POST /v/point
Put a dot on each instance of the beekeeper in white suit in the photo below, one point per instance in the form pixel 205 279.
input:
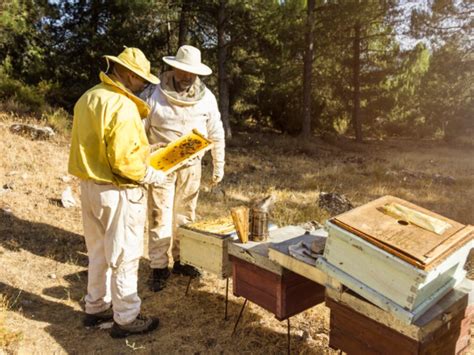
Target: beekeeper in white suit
pixel 179 104
pixel 109 152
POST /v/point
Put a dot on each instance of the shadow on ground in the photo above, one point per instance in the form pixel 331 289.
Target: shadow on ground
pixel 41 239
pixel 190 324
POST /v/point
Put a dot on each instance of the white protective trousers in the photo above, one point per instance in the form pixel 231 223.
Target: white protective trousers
pixel 171 205
pixel 114 221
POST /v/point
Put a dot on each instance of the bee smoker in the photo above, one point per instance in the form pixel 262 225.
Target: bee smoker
pixel 259 224
pixel 259 219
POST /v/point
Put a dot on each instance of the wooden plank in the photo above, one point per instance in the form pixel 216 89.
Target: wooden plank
pixel 457 301
pixel 378 228
pixel 298 297
pixel 257 252
pixel 445 339
pixel 254 257
pixel 252 274
pixel 298 267
pixel 209 238
pixel 375 297
pixel 283 295
pixel 363 306
pixel 278 252
pixel 255 284
pixel 256 295
pixel 354 333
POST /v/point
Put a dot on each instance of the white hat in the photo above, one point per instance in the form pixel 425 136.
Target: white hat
pixel 188 59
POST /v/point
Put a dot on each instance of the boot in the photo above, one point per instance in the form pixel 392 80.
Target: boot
pixel 186 270
pixel 158 279
pixel 92 320
pixel 140 325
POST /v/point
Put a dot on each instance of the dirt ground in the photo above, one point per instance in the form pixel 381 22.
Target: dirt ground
pixel 43 257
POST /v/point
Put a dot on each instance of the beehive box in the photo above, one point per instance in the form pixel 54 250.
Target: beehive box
pixel 401 267
pixel 177 153
pixel 359 327
pixel 284 294
pixel 205 250
pixel 266 283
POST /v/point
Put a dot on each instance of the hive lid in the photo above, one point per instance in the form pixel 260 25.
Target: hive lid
pixel 414 234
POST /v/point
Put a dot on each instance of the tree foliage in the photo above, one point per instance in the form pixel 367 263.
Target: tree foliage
pixel 368 76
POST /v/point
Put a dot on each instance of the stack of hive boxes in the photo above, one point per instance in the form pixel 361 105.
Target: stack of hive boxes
pixel 403 262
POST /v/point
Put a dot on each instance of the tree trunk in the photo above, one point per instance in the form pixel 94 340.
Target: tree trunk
pixel 307 70
pixel 356 119
pixel 223 83
pixel 183 24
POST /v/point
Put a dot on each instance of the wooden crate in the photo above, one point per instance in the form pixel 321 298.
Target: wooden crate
pixel 284 294
pixel 205 251
pixel 386 280
pixel 358 327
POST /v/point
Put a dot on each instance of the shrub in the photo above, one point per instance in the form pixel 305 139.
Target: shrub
pixel 29 97
pixel 57 118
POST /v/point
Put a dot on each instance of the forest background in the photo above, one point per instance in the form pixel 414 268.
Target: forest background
pixel 365 69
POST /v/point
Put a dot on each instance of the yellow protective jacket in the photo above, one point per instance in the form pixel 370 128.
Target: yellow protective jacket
pixel 109 143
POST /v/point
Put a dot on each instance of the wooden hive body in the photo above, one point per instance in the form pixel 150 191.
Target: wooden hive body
pixel 359 327
pixel 205 251
pixel 266 283
pixel 284 294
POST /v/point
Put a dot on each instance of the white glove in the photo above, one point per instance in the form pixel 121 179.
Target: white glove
pixel 217 175
pixel 153 177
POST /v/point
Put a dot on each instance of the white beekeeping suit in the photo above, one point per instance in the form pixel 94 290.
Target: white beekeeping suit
pixel 173 115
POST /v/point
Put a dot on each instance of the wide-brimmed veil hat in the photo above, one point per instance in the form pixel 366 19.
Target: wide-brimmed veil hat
pixel 188 58
pixel 134 60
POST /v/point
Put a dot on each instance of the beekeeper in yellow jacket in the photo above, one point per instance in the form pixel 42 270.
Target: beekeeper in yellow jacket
pixel 109 153
pixel 179 104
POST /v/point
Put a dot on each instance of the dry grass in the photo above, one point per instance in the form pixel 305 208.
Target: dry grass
pixel 8 338
pixel 43 261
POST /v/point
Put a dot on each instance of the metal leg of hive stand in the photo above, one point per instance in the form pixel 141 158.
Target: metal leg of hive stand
pixel 240 315
pixel 189 283
pixel 226 297
pixel 289 344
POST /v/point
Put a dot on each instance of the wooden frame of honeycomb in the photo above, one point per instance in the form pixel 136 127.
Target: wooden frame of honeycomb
pixel 180 151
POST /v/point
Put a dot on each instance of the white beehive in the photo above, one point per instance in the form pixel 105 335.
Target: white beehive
pixel 393 262
pixel 206 251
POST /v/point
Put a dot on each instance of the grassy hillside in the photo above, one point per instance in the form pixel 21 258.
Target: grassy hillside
pixel 42 253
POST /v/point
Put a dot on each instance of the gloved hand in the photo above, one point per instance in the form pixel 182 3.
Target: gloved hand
pixel 217 175
pixel 153 177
